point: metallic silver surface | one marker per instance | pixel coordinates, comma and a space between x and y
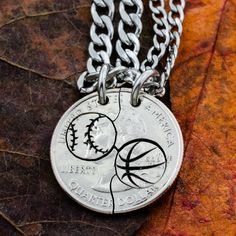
161, 37
166, 41
100, 48
138, 84
102, 84
128, 40
175, 19
167, 31
116, 158
112, 78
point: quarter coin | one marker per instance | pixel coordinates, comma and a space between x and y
116, 158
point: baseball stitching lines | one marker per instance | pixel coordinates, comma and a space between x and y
73, 135
90, 138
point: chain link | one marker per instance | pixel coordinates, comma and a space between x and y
129, 30
101, 33
175, 19
161, 38
166, 41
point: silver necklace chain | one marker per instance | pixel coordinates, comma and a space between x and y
166, 41
100, 48
128, 43
127, 133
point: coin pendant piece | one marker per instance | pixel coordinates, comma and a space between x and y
116, 158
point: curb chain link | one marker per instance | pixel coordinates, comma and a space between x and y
161, 29
128, 44
100, 48
166, 41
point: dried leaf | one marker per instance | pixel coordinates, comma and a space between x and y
41, 41
30, 197
45, 37
203, 93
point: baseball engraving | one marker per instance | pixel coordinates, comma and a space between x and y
91, 141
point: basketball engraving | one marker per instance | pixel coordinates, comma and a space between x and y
140, 163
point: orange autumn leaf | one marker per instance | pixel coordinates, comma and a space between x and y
203, 93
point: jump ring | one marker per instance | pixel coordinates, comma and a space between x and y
138, 84
81, 82
103, 75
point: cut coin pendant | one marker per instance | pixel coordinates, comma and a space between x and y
116, 158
